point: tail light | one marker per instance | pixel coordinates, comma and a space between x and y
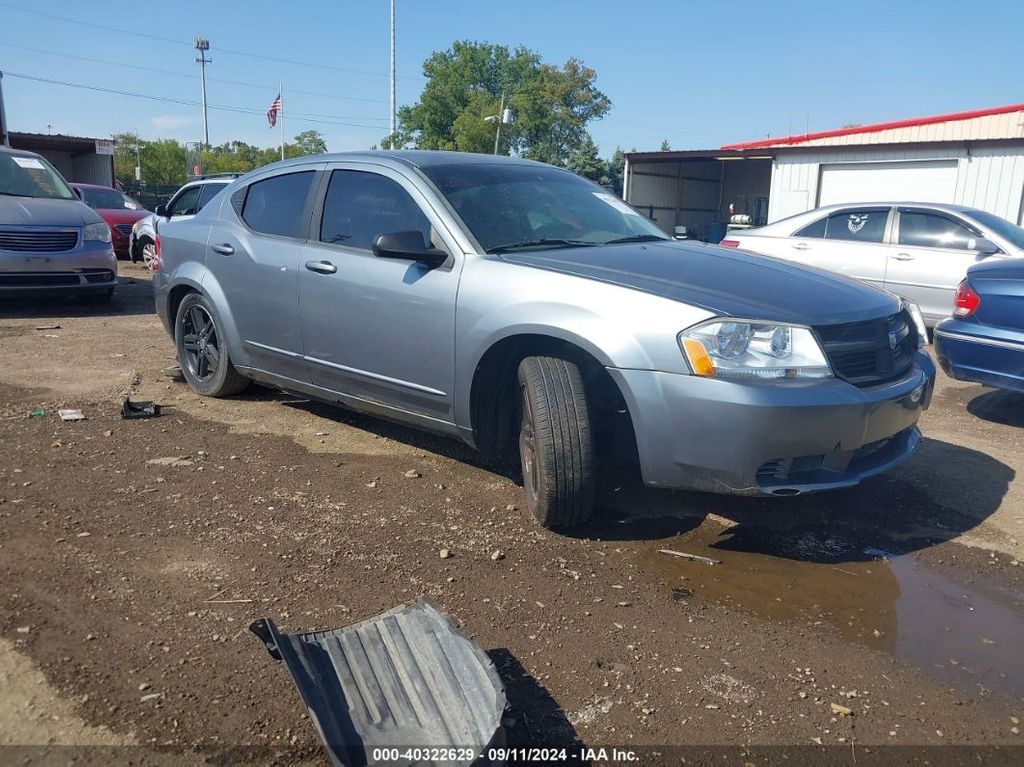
730, 243
966, 301
154, 265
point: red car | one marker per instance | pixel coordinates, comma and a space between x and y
116, 208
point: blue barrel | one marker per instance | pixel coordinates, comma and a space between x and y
715, 233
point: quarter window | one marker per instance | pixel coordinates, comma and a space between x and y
361, 206
857, 225
927, 230
817, 229
275, 205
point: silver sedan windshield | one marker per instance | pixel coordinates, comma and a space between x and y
521, 206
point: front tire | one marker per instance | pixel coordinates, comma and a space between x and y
147, 252
202, 350
555, 445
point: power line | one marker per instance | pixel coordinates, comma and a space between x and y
183, 102
158, 71
136, 33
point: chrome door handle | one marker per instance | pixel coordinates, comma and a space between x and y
801, 246
903, 257
321, 267
224, 249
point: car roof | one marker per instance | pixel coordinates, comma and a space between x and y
949, 207
79, 185
18, 152
418, 158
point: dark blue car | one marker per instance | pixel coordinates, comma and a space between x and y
984, 339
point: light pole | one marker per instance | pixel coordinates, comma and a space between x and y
504, 117
391, 85
203, 45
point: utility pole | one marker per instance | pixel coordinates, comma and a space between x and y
4, 138
393, 115
203, 45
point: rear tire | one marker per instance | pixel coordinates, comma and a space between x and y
202, 350
555, 444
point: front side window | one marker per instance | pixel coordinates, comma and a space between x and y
866, 225
31, 176
186, 203
276, 205
362, 206
929, 230
509, 206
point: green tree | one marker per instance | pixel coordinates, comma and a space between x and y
468, 83
665, 146
309, 142
614, 170
586, 162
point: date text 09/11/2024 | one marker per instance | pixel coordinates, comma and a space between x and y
504, 754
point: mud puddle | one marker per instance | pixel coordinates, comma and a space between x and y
966, 633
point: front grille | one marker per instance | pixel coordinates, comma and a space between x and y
29, 241
125, 229
870, 352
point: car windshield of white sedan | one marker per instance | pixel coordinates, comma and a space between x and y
28, 176
527, 207
1002, 227
107, 199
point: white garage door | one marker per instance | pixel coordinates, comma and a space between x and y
928, 181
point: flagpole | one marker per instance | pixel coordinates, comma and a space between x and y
281, 115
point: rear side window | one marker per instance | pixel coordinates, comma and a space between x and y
209, 191
361, 206
817, 229
927, 230
857, 225
275, 205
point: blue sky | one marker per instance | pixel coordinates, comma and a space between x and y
699, 74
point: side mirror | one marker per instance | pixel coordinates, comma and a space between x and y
161, 210
408, 246
985, 247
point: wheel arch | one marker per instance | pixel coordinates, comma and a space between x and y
493, 393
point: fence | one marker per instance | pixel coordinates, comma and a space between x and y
149, 195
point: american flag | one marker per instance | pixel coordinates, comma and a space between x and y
275, 107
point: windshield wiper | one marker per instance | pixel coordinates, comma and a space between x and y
549, 242
637, 238
15, 194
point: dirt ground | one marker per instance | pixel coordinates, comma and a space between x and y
129, 578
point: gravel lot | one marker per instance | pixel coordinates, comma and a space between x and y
129, 579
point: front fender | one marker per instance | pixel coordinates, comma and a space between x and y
619, 327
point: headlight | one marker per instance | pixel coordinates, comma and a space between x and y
96, 232
915, 314
746, 349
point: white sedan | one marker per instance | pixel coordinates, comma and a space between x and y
919, 251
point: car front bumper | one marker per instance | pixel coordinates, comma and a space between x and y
90, 267
781, 438
968, 351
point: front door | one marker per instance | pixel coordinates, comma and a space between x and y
379, 330
930, 257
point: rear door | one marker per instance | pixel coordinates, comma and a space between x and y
255, 254
380, 330
932, 252
850, 241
